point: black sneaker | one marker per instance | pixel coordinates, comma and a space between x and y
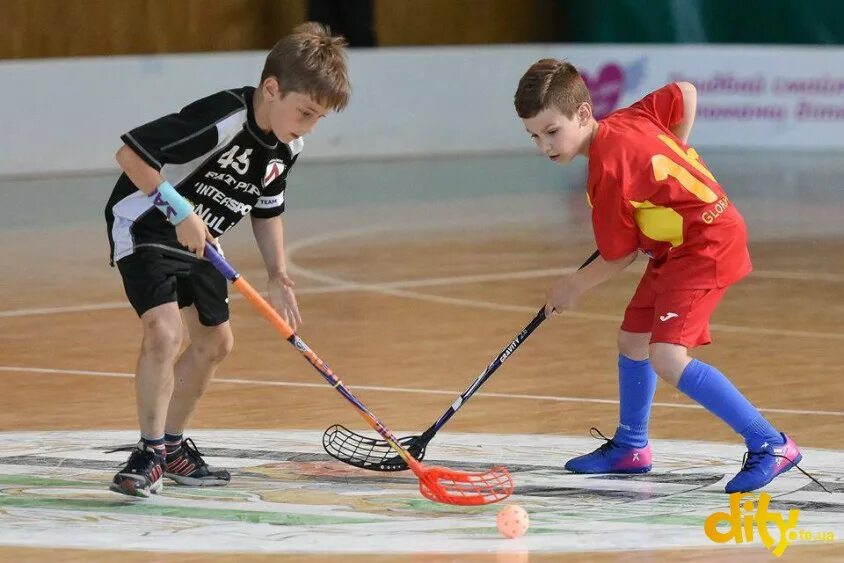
142, 474
186, 467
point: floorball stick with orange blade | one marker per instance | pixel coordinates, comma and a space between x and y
439, 484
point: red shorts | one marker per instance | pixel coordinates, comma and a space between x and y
674, 317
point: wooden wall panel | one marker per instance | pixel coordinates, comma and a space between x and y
456, 22
72, 28
62, 28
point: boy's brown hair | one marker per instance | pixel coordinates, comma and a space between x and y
550, 83
311, 61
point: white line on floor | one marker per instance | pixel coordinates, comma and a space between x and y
454, 393
386, 289
398, 289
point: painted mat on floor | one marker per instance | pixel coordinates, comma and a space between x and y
287, 495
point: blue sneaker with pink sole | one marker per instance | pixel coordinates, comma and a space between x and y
612, 457
761, 467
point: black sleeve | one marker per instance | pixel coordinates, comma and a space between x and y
180, 137
271, 202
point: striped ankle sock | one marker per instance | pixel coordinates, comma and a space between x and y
172, 442
156, 443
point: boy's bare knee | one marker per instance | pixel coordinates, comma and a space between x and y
633, 345
162, 334
669, 361
216, 345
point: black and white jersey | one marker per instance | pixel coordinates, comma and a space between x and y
217, 157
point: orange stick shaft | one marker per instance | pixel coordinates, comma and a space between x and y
266, 310
258, 301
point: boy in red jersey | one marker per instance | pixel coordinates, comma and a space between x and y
650, 192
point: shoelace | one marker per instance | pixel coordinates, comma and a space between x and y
193, 453
608, 442
122, 449
135, 452
146, 461
752, 459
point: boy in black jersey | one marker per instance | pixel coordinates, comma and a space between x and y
188, 178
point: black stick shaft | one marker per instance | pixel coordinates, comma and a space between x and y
495, 364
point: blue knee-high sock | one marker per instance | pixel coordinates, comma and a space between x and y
636, 387
709, 387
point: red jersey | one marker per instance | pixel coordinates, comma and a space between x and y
649, 191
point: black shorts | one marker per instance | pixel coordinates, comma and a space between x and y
152, 278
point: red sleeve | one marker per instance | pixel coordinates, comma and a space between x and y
616, 232
664, 106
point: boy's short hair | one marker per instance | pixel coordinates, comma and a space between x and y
311, 61
550, 83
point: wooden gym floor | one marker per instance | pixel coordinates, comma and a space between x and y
421, 309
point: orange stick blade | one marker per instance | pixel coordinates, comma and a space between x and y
449, 486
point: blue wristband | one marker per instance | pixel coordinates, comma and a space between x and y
175, 207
